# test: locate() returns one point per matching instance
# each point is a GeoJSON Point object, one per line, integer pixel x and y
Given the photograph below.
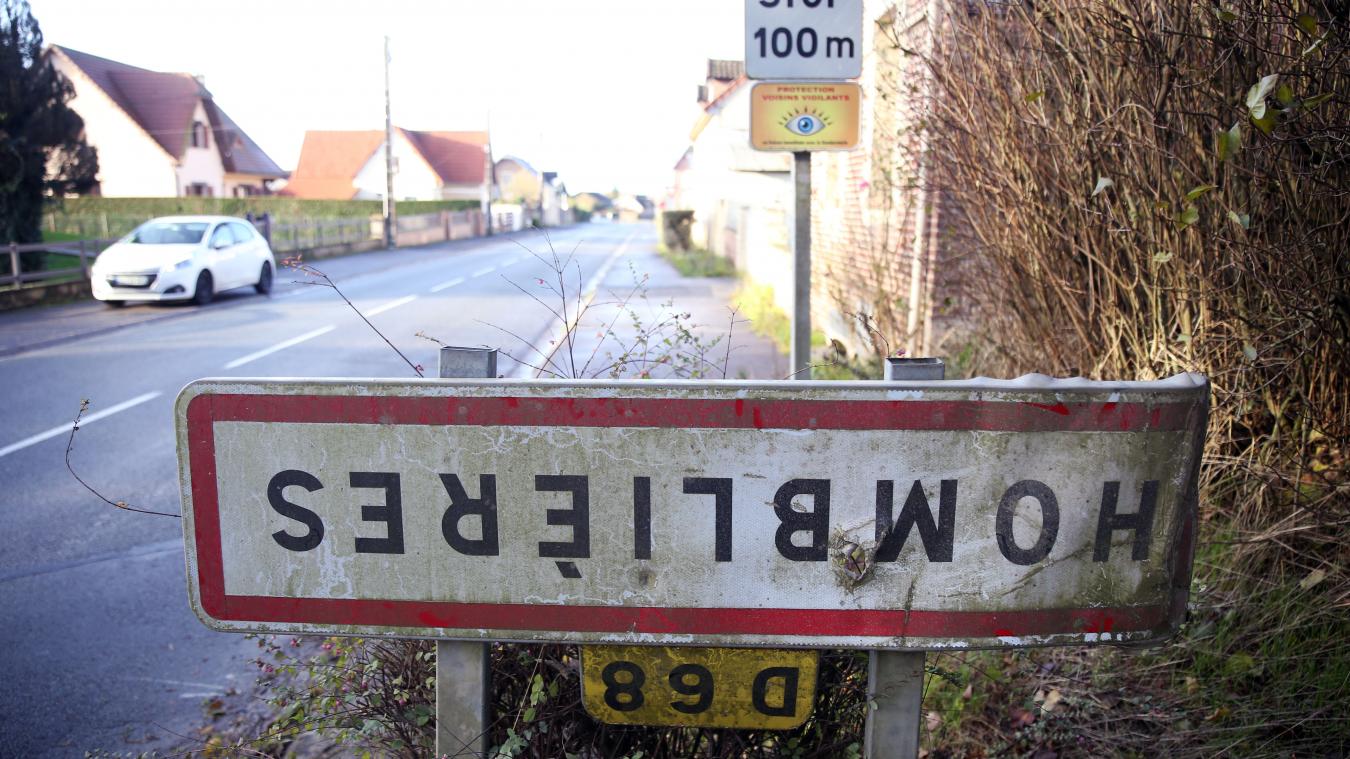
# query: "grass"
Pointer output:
{"type": "Point", "coordinates": [755, 303]}
{"type": "Point", "coordinates": [698, 262]}
{"type": "Point", "coordinates": [61, 237]}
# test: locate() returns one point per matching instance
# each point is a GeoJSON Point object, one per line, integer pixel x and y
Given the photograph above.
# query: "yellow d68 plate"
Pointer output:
{"type": "Point", "coordinates": [763, 688]}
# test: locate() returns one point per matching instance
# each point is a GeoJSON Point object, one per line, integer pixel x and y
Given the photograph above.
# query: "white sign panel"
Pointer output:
{"type": "Point", "coordinates": [803, 39]}
{"type": "Point", "coordinates": [864, 514]}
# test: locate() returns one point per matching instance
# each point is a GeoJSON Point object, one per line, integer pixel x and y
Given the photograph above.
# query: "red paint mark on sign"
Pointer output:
{"type": "Point", "coordinates": [699, 413]}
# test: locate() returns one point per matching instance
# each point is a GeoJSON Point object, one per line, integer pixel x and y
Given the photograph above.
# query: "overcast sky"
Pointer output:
{"type": "Point", "coordinates": [601, 91]}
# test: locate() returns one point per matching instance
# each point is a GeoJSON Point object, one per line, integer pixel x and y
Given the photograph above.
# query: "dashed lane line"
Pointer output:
{"type": "Point", "coordinates": [65, 428]}
{"type": "Point", "coordinates": [281, 346]}
{"type": "Point", "coordinates": [446, 285]}
{"type": "Point", "coordinates": [390, 306]}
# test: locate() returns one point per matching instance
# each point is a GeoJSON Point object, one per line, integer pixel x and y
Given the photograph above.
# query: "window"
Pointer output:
{"type": "Point", "coordinates": [168, 233]}
{"type": "Point", "coordinates": [200, 189]}
{"type": "Point", "coordinates": [221, 238]}
{"type": "Point", "coordinates": [200, 137]}
{"type": "Point", "coordinates": [242, 232]}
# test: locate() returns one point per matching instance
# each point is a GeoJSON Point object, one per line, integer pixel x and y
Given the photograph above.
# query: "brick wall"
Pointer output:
{"type": "Point", "coordinates": [866, 204]}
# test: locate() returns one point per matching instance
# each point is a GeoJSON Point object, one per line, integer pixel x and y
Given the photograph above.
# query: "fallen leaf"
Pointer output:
{"type": "Point", "coordinates": [1314, 577]}
{"type": "Point", "coordinates": [1022, 717]}
{"type": "Point", "coordinates": [968, 692]}
{"type": "Point", "coordinates": [932, 721]}
{"type": "Point", "coordinates": [1051, 699]}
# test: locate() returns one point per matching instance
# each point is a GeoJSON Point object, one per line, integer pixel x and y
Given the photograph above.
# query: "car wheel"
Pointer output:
{"type": "Point", "coordinates": [264, 285]}
{"type": "Point", "coordinates": [205, 289]}
{"type": "Point", "coordinates": [114, 303]}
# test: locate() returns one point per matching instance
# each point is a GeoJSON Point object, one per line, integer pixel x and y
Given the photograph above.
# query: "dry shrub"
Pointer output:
{"type": "Point", "coordinates": [1153, 187]}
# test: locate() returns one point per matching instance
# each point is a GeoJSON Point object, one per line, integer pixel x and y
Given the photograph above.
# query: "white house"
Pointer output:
{"type": "Point", "coordinates": [740, 196]}
{"type": "Point", "coordinates": [160, 134]}
{"type": "Point", "coordinates": [350, 165]}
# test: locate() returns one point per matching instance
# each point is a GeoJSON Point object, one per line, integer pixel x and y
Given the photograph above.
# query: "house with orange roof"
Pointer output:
{"type": "Point", "coordinates": [160, 134]}
{"type": "Point", "coordinates": [350, 165]}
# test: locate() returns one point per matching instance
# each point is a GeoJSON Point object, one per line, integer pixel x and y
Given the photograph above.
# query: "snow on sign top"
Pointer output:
{"type": "Point", "coordinates": [803, 39]}
{"type": "Point", "coordinates": [861, 514]}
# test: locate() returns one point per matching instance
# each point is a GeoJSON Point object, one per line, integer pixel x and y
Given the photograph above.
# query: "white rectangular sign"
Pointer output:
{"type": "Point", "coordinates": [862, 514]}
{"type": "Point", "coordinates": [803, 39]}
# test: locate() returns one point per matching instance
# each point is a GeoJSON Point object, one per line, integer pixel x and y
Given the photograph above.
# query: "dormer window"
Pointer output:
{"type": "Point", "coordinates": [200, 136]}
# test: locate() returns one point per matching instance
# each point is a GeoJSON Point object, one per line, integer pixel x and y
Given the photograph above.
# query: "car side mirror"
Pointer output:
{"type": "Point", "coordinates": [219, 245]}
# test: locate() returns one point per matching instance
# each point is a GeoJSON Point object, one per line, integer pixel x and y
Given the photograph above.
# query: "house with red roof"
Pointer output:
{"type": "Point", "coordinates": [160, 134]}
{"type": "Point", "coordinates": [350, 165]}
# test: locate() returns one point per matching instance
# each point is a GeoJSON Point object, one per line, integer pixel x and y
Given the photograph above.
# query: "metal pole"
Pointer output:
{"type": "Point", "coordinates": [390, 213]}
{"type": "Point", "coordinates": [463, 668]}
{"type": "Point", "coordinates": [801, 265]}
{"type": "Point", "coordinates": [895, 678]}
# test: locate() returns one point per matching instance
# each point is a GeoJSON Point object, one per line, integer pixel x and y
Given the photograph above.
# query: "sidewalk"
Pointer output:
{"type": "Point", "coordinates": [688, 321]}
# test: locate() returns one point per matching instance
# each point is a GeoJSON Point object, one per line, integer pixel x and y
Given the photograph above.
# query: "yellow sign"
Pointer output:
{"type": "Point", "coordinates": [764, 688]}
{"type": "Point", "coordinates": [804, 115]}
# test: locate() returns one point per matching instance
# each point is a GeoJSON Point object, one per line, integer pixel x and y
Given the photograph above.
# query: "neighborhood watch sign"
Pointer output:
{"type": "Point", "coordinates": [860, 514]}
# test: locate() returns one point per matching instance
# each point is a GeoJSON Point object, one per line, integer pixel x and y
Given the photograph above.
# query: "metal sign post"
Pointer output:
{"type": "Point", "coordinates": [464, 667]}
{"type": "Point", "coordinates": [895, 678]}
{"type": "Point", "coordinates": [801, 265]}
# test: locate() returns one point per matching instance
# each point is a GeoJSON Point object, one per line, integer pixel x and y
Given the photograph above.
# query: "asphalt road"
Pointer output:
{"type": "Point", "coordinates": [98, 649]}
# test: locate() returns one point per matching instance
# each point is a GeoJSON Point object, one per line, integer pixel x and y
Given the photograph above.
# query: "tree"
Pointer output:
{"type": "Point", "coordinates": [42, 149]}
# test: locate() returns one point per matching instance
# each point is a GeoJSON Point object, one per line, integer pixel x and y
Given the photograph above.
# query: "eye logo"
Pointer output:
{"type": "Point", "coordinates": [805, 122]}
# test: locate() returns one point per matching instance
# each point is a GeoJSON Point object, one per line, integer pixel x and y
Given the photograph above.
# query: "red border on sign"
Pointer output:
{"type": "Point", "coordinates": [726, 413]}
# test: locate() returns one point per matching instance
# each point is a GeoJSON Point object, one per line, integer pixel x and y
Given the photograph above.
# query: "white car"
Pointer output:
{"type": "Point", "coordinates": [183, 258]}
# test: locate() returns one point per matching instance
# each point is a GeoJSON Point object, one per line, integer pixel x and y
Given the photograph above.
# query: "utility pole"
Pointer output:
{"type": "Point", "coordinates": [390, 213]}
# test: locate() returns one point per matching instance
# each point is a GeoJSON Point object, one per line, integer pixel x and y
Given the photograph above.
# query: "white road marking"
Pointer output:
{"type": "Point", "coordinates": [484, 270]}
{"type": "Point", "coordinates": [525, 371]}
{"type": "Point", "coordinates": [390, 306]}
{"type": "Point", "coordinates": [65, 428]}
{"type": "Point", "coordinates": [281, 346]}
{"type": "Point", "coordinates": [448, 284]}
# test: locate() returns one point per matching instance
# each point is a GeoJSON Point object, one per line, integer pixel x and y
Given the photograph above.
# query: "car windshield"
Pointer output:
{"type": "Point", "coordinates": [168, 233]}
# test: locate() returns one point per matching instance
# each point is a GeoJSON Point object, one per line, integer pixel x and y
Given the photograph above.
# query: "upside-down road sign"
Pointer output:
{"type": "Point", "coordinates": [902, 515]}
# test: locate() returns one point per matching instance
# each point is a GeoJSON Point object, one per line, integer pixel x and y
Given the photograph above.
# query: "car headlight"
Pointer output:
{"type": "Point", "coordinates": [180, 264]}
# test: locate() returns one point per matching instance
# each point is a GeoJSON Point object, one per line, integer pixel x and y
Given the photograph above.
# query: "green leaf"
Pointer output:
{"type": "Point", "coordinates": [1199, 190]}
{"type": "Point", "coordinates": [1249, 351]}
{"type": "Point", "coordinates": [1307, 23]}
{"type": "Point", "coordinates": [1230, 141]}
{"type": "Point", "coordinates": [1187, 217]}
{"type": "Point", "coordinates": [1316, 100]}
{"type": "Point", "coordinates": [1102, 184]}
{"type": "Point", "coordinates": [1266, 122]}
{"type": "Point", "coordinates": [1162, 256]}
{"type": "Point", "coordinates": [1032, 97]}
{"type": "Point", "coordinates": [529, 714]}
{"type": "Point", "coordinates": [1225, 15]}
{"type": "Point", "coordinates": [1284, 94]}
{"type": "Point", "coordinates": [1240, 219]}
